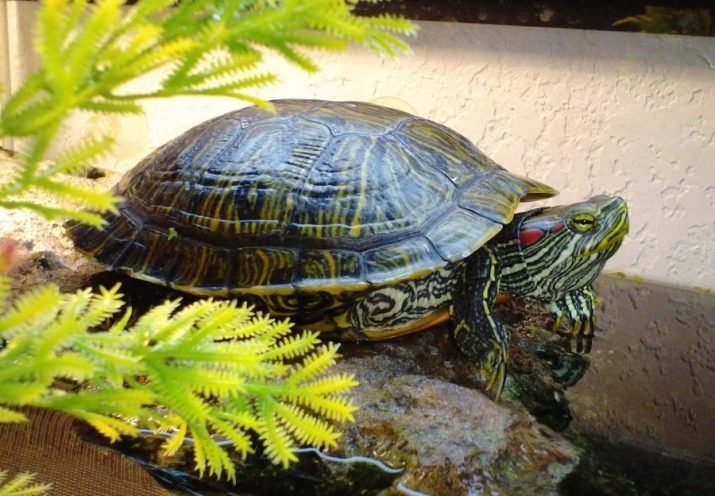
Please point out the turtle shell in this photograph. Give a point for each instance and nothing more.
(315, 196)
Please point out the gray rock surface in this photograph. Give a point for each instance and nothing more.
(420, 409)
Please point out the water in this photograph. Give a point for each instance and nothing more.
(620, 468)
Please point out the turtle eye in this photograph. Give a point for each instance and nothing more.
(583, 222)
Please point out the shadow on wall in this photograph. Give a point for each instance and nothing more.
(653, 369)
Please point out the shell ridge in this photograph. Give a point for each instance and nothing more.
(324, 146)
(406, 150)
(139, 228)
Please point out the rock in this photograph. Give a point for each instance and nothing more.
(449, 437)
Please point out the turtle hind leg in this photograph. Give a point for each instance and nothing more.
(403, 308)
(477, 332)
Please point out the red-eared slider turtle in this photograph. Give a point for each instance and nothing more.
(355, 218)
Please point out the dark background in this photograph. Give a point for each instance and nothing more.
(685, 17)
(691, 17)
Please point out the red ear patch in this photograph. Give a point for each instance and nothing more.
(528, 237)
(557, 227)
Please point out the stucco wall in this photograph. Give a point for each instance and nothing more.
(588, 112)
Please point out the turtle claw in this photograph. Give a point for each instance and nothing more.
(495, 377)
(587, 326)
(558, 318)
(493, 370)
(583, 332)
(577, 307)
(583, 344)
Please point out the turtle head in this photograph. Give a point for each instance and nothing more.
(565, 247)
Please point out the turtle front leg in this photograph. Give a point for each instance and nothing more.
(578, 307)
(477, 332)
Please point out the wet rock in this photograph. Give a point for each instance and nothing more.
(541, 368)
(419, 410)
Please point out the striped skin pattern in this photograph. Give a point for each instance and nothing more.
(577, 306)
(478, 333)
(553, 255)
(394, 310)
(550, 255)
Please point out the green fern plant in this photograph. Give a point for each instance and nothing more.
(212, 367)
(89, 52)
(21, 485)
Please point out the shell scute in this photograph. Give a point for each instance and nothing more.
(439, 148)
(110, 241)
(494, 198)
(329, 267)
(358, 189)
(460, 233)
(413, 257)
(264, 267)
(155, 255)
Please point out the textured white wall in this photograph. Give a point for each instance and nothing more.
(587, 112)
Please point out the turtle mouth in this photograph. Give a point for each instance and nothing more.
(614, 214)
(604, 247)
